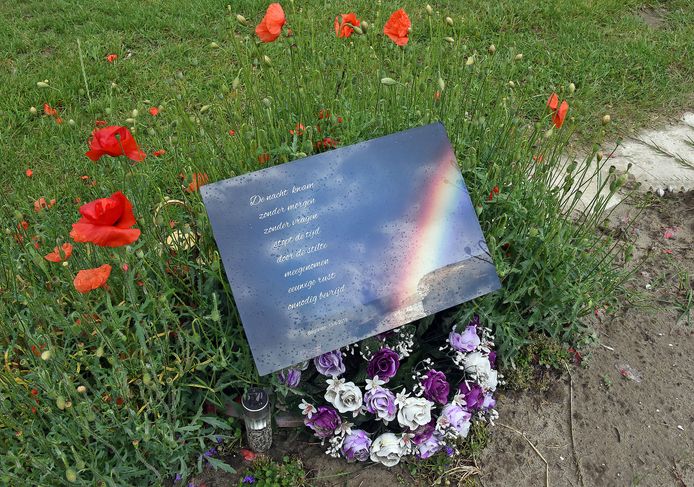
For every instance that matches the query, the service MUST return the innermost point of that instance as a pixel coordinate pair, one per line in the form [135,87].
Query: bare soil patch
[626,432]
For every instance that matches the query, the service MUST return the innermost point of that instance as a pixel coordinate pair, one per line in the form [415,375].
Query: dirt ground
[626,432]
[632,411]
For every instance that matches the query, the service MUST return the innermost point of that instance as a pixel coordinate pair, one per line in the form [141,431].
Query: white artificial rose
[415,412]
[478,366]
[345,397]
[386,449]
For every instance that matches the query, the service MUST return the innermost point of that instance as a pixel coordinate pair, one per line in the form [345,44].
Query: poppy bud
[266,60]
[108,110]
[549,133]
[599,156]
[512,84]
[357,29]
[449,21]
[214,45]
[572,88]
[81,389]
[99,352]
[130,121]
[146,379]
[235,84]
[470,61]
[113,85]
[606,119]
[364,26]
[71,123]
[429,9]
[32,110]
[42,84]
[242,20]
[151,131]
[267,102]
[518,57]
[450,40]
[388,81]
[46,355]
[60,402]
[71,475]
[442,84]
[204,108]
[491,49]
[135,113]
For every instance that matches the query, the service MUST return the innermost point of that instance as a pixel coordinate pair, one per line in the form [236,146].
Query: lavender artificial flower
[436,388]
[356,446]
[489,402]
[330,364]
[248,479]
[473,394]
[423,433]
[429,447]
[466,341]
[457,417]
[177,478]
[324,421]
[289,377]
[384,363]
[381,402]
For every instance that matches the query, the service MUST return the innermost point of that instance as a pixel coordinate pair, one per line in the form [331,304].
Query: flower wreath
[427,414]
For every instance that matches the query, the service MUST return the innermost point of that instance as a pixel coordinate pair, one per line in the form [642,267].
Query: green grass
[164,339]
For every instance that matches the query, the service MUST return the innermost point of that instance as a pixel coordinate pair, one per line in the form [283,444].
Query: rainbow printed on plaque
[328,250]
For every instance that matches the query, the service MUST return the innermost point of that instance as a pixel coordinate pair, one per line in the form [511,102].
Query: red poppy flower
[50,111]
[41,203]
[56,256]
[323,114]
[101,123]
[34,392]
[23,225]
[326,143]
[29,173]
[264,158]
[232,132]
[437,96]
[270,27]
[298,130]
[559,116]
[344,28]
[106,222]
[197,180]
[553,102]
[398,27]
[495,190]
[89,279]
[111,57]
[248,455]
[159,153]
[154,111]
[58,120]
[114,141]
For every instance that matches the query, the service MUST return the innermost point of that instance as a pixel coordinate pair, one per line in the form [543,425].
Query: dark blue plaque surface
[325,251]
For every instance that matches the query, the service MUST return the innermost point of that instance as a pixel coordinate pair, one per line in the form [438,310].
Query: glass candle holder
[256,416]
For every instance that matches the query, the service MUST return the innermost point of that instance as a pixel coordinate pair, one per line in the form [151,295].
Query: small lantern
[256,416]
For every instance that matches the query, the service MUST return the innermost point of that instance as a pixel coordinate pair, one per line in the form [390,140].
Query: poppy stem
[84,73]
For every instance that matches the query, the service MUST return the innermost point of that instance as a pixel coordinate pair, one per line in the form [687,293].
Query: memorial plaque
[333,248]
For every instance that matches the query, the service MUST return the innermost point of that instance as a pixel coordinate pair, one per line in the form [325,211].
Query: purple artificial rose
[489,402]
[381,402]
[458,418]
[436,388]
[466,341]
[330,363]
[324,421]
[289,377]
[384,363]
[492,359]
[473,393]
[356,446]
[423,433]
[429,447]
